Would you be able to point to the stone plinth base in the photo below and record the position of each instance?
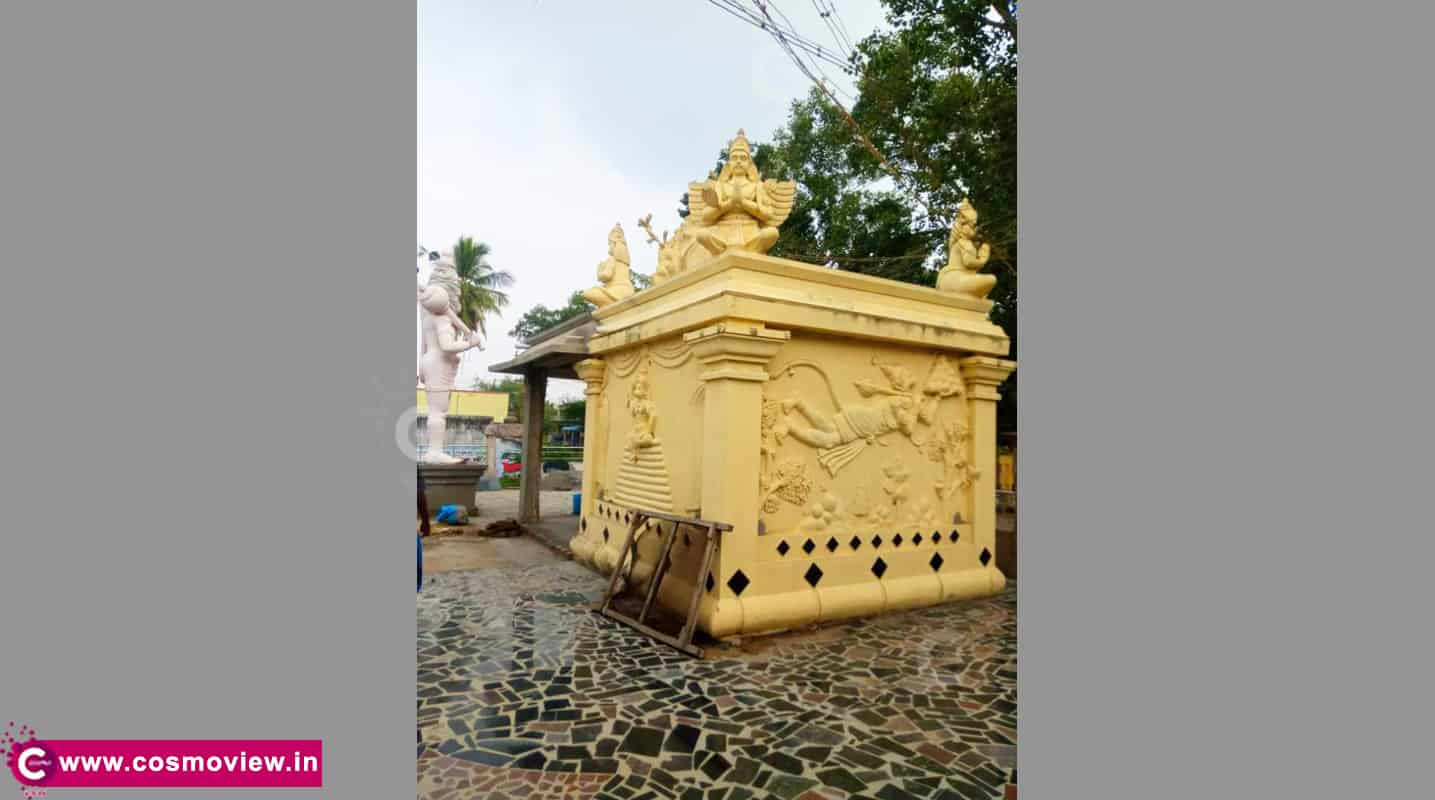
(451, 484)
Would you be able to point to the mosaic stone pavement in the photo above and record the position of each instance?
(523, 691)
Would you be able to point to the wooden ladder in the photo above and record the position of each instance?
(684, 640)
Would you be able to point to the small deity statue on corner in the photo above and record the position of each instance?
(614, 274)
(961, 274)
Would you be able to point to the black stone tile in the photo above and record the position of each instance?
(606, 747)
(784, 762)
(879, 567)
(808, 547)
(897, 540)
(854, 543)
(643, 741)
(817, 756)
(839, 778)
(567, 752)
(683, 739)
(782, 548)
(786, 787)
(678, 763)
(598, 765)
(715, 766)
(716, 742)
(936, 562)
(737, 582)
(985, 557)
(512, 747)
(877, 541)
(484, 757)
(661, 777)
(832, 544)
(744, 770)
(891, 792)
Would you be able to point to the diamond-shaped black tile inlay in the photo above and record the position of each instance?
(917, 539)
(813, 575)
(782, 548)
(737, 583)
(897, 540)
(985, 556)
(710, 583)
(936, 562)
(955, 535)
(936, 538)
(877, 541)
(878, 567)
(583, 523)
(605, 534)
(855, 543)
(808, 547)
(832, 545)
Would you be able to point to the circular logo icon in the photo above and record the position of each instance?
(34, 763)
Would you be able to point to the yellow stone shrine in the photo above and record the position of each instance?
(844, 425)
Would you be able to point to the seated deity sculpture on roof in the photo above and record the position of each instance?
(734, 209)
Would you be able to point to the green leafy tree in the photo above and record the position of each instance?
(540, 318)
(937, 97)
(481, 292)
(572, 411)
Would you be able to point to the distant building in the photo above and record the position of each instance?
(469, 413)
(501, 439)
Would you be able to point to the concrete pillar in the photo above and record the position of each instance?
(983, 374)
(594, 373)
(535, 385)
(734, 356)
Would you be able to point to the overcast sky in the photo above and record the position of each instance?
(541, 123)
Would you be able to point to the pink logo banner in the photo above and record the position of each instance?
(165, 763)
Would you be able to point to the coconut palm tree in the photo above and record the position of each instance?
(482, 292)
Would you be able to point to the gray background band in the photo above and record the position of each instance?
(208, 324)
(1223, 460)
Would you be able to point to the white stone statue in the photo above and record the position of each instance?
(438, 365)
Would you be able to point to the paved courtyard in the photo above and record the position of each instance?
(525, 692)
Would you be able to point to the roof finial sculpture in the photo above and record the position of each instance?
(614, 274)
(961, 274)
(733, 209)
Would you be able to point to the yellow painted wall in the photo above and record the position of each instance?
(470, 404)
(740, 372)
